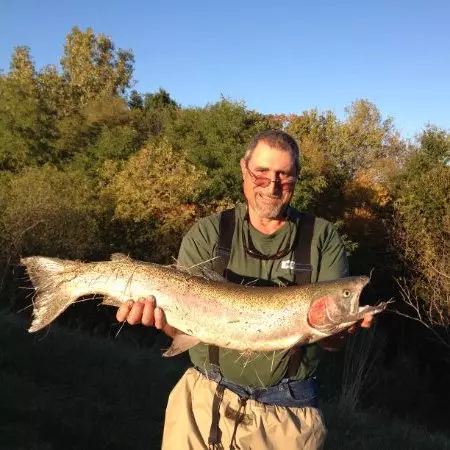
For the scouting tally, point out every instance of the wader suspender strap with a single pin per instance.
(302, 252)
(302, 256)
(223, 249)
(213, 354)
(215, 434)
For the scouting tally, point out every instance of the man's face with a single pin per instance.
(277, 165)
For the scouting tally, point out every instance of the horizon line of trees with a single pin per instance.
(89, 167)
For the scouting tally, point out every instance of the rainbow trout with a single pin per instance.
(246, 318)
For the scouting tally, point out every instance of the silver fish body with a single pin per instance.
(239, 317)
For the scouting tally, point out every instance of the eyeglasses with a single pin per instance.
(251, 250)
(286, 184)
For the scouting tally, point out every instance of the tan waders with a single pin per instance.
(241, 424)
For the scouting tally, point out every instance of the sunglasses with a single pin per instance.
(251, 250)
(286, 184)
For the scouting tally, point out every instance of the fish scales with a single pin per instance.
(247, 318)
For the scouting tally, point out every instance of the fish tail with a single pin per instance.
(52, 286)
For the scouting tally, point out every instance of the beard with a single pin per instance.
(270, 207)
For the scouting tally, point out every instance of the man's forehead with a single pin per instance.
(265, 155)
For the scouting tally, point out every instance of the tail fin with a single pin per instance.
(51, 281)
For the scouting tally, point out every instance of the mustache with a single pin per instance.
(273, 197)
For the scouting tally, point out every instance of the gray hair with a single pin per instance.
(276, 139)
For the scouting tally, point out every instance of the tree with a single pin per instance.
(159, 100)
(317, 135)
(93, 67)
(153, 197)
(17, 123)
(20, 127)
(422, 230)
(215, 138)
(22, 69)
(48, 211)
(136, 101)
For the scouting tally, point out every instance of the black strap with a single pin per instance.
(223, 249)
(295, 358)
(220, 263)
(302, 258)
(213, 352)
(215, 434)
(239, 416)
(302, 252)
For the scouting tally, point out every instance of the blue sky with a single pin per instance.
(277, 57)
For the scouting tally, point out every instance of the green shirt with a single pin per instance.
(328, 260)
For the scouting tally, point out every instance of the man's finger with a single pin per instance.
(367, 321)
(148, 316)
(160, 318)
(135, 315)
(124, 310)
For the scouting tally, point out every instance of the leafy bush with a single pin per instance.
(48, 211)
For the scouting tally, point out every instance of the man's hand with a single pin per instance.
(336, 341)
(144, 311)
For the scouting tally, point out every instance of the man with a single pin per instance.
(264, 400)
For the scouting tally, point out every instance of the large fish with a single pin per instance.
(239, 317)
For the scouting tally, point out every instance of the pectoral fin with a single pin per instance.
(181, 342)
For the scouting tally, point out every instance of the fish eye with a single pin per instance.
(346, 293)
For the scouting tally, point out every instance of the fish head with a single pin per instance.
(336, 305)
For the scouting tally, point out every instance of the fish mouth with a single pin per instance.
(360, 284)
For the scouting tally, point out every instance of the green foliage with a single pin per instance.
(47, 211)
(423, 225)
(116, 143)
(335, 153)
(54, 117)
(153, 182)
(19, 123)
(93, 67)
(155, 189)
(215, 139)
(365, 136)
(22, 67)
(159, 100)
(135, 101)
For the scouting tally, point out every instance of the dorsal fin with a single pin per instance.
(202, 270)
(120, 257)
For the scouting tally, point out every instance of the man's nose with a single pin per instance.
(274, 186)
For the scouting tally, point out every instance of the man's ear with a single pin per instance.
(243, 167)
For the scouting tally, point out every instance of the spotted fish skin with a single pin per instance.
(246, 318)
